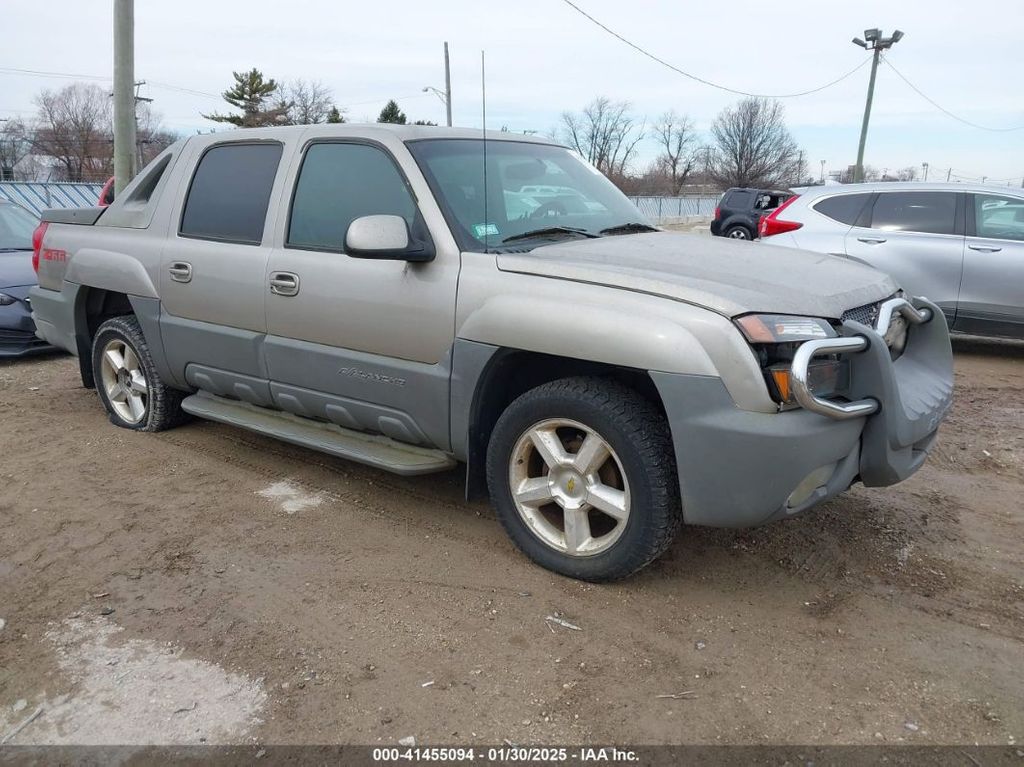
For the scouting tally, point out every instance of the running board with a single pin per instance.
(370, 449)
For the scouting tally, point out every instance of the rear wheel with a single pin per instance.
(738, 233)
(129, 386)
(582, 475)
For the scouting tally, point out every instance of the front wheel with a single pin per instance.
(582, 475)
(131, 390)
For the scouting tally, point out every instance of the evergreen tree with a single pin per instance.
(392, 114)
(334, 115)
(424, 122)
(252, 94)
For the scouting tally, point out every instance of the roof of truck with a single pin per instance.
(369, 130)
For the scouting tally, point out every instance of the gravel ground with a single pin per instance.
(211, 585)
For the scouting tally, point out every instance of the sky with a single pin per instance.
(544, 58)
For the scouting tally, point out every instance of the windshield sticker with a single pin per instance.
(485, 230)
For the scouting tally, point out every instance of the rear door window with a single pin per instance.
(999, 217)
(928, 212)
(844, 208)
(230, 193)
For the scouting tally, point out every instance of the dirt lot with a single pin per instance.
(206, 584)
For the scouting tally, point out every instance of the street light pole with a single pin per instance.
(447, 85)
(124, 93)
(925, 166)
(873, 41)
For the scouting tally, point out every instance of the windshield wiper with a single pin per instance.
(630, 228)
(13, 250)
(550, 230)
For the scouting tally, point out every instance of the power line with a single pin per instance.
(943, 109)
(701, 80)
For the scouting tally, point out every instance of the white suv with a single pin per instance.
(960, 245)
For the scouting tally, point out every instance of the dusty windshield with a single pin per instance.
(16, 227)
(535, 193)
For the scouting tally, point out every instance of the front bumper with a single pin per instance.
(17, 331)
(739, 468)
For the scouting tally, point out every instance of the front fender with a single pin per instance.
(587, 332)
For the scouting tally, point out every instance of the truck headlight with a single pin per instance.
(6, 300)
(775, 338)
(783, 328)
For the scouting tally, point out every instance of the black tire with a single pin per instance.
(163, 404)
(639, 436)
(739, 232)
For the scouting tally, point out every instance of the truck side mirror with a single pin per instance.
(384, 237)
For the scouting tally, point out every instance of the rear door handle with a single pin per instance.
(181, 271)
(284, 283)
(871, 240)
(985, 248)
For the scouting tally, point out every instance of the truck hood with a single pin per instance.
(725, 276)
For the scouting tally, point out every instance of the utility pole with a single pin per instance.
(925, 166)
(141, 160)
(124, 93)
(447, 85)
(949, 173)
(822, 171)
(873, 41)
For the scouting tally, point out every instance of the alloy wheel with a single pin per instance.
(569, 487)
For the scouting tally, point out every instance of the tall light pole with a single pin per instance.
(925, 166)
(124, 93)
(822, 171)
(873, 41)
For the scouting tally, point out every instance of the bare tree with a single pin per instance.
(753, 147)
(73, 133)
(907, 174)
(74, 129)
(15, 145)
(151, 136)
(605, 134)
(307, 102)
(678, 144)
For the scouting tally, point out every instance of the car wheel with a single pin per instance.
(582, 474)
(129, 386)
(738, 233)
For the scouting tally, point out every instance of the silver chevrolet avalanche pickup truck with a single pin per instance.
(411, 298)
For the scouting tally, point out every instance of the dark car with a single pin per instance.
(740, 211)
(17, 331)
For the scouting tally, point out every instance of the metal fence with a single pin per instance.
(669, 208)
(37, 196)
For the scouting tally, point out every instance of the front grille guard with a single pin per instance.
(808, 350)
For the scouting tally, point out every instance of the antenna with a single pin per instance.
(483, 104)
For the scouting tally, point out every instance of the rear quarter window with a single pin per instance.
(844, 208)
(740, 200)
(230, 193)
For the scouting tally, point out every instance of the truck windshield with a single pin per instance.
(535, 193)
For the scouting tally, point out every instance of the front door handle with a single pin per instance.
(181, 271)
(985, 248)
(284, 283)
(871, 240)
